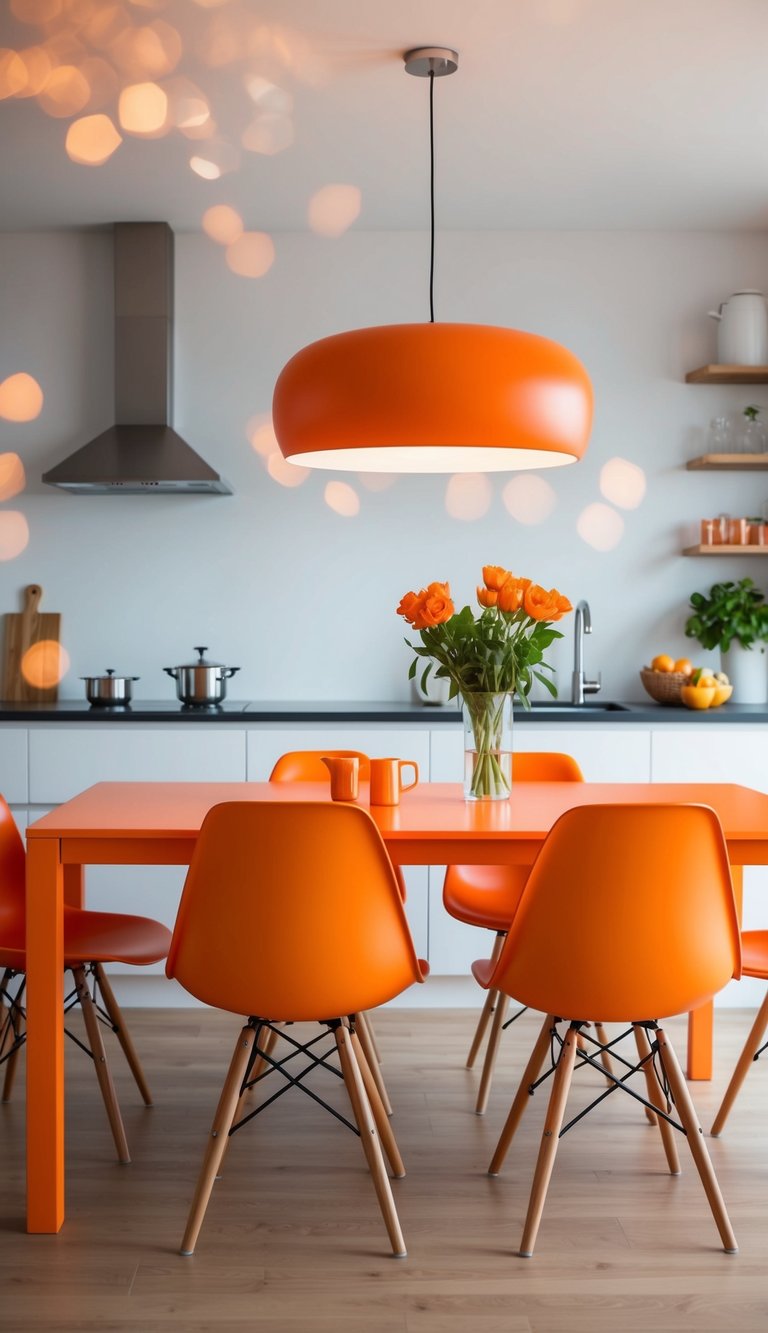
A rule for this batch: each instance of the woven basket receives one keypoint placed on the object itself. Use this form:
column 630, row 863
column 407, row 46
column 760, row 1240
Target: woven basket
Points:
column 664, row 686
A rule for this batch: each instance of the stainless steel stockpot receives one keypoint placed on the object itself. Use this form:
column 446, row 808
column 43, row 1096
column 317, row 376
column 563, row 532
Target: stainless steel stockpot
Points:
column 201, row 683
column 109, row 690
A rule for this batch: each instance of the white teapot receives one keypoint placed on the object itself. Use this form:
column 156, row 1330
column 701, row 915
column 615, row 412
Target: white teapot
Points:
column 742, row 334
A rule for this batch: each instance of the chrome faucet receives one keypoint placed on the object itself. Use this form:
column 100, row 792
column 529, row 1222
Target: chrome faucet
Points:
column 580, row 686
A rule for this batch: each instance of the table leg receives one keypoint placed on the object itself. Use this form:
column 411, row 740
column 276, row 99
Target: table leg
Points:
column 45, row 1036
column 701, row 1021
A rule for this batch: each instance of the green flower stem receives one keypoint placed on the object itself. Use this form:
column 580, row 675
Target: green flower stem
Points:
column 486, row 712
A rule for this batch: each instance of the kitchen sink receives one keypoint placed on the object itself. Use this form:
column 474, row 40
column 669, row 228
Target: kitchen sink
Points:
column 555, row 706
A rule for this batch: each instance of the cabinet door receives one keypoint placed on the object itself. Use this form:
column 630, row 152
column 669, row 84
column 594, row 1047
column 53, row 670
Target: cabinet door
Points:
column 13, row 764
column 607, row 753
column 722, row 754
column 266, row 744
column 65, row 760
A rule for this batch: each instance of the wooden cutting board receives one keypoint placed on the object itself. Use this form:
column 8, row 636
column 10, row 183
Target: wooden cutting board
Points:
column 23, row 630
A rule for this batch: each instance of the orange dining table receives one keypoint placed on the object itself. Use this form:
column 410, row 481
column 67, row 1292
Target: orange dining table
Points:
column 157, row 823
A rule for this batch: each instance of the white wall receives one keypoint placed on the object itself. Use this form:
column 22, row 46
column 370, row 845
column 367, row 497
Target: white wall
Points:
column 271, row 578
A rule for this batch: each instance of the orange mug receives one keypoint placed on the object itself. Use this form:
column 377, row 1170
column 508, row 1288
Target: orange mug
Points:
column 345, row 776
column 386, row 782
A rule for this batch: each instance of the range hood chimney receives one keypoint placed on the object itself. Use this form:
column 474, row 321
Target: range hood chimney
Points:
column 141, row 454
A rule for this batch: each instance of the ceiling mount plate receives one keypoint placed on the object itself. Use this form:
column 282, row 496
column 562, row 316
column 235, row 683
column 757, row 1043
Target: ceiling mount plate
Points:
column 426, row 60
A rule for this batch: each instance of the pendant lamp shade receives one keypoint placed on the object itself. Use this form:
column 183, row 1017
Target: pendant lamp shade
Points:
column 433, row 398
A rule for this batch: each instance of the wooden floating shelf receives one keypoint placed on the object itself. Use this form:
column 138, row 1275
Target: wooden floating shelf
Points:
column 728, row 463
column 728, row 375
column 725, row 550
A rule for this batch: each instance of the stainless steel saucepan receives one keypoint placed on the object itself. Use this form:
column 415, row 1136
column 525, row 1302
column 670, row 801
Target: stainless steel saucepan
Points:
column 109, row 690
column 202, row 683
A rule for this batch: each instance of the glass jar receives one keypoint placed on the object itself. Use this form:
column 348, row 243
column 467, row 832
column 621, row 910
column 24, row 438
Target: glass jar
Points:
column 487, row 746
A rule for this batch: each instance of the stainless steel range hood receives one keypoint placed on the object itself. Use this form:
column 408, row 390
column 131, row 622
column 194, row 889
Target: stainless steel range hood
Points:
column 142, row 453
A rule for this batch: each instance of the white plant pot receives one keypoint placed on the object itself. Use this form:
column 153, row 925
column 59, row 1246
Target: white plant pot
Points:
column 437, row 691
column 747, row 670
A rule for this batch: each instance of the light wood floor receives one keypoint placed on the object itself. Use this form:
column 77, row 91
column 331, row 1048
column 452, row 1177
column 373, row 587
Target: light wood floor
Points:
column 293, row 1240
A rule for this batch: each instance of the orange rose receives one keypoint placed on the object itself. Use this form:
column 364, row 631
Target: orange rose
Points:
column 494, row 576
column 539, row 604
column 511, row 594
column 486, row 597
column 434, row 608
column 439, row 589
column 408, row 605
column 563, row 605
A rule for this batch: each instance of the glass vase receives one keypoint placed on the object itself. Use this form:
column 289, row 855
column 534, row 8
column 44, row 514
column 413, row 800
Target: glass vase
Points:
column 487, row 746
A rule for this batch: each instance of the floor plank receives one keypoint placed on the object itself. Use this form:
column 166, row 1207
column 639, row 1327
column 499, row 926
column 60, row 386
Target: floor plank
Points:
column 293, row 1238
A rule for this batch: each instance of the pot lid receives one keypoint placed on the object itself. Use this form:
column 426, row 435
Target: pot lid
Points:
column 109, row 674
column 202, row 661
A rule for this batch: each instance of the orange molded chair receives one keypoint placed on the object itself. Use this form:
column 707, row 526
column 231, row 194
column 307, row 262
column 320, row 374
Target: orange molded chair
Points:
column 754, row 963
column 291, row 913
column 653, row 884
column 308, row 766
column 90, row 940
column 488, row 896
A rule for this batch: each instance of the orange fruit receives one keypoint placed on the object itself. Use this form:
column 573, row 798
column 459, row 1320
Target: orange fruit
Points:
column 685, row 665
column 693, row 696
column 703, row 676
column 722, row 694
column 663, row 663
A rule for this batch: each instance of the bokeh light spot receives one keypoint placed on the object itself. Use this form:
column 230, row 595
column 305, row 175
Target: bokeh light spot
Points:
column 251, row 255
column 45, row 664
column 38, row 12
column 92, row 140
column 267, row 96
column 37, row 64
column 342, row 498
column 143, row 108
column 66, row 91
column 12, row 478
column 468, row 496
column 528, row 498
column 286, row 474
column 333, row 209
column 13, row 73
column 14, row 534
column 261, row 436
column 215, row 160
column 223, row 224
column 623, row 483
column 600, row 527
column 21, row 398
column 270, row 133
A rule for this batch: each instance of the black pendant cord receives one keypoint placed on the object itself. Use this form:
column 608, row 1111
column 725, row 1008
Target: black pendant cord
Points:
column 431, row 196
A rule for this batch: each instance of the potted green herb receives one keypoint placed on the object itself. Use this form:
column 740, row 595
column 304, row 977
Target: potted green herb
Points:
column 734, row 618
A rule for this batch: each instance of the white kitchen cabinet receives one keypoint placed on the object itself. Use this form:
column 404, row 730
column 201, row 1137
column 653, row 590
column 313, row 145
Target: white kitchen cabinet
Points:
column 722, row 754
column 63, row 760
column 604, row 754
column 266, row 744
column 14, row 781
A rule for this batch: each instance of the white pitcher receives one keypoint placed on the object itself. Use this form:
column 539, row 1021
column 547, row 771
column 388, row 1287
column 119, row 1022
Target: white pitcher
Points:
column 742, row 334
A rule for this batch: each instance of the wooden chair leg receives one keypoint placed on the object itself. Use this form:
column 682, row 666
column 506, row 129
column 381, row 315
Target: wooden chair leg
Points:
column 369, row 1139
column 549, row 1142
column 12, row 1036
column 522, row 1096
column 655, row 1094
column 492, row 1051
column 259, row 1065
column 371, row 1035
column 365, row 1037
column 121, row 1032
column 219, row 1138
column 751, row 1046
column 488, row 1009
column 100, row 1063
column 380, row 1114
column 693, row 1133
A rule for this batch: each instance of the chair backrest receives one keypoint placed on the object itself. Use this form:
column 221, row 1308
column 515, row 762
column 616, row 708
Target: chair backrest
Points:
column 628, row 913
column 308, row 766
column 12, row 865
column 543, row 767
column 291, row 911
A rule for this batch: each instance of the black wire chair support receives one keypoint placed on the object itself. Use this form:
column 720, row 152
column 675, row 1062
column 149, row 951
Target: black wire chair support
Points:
column 315, row 1061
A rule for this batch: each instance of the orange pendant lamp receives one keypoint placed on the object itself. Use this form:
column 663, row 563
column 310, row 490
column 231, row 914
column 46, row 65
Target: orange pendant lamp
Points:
column 433, row 397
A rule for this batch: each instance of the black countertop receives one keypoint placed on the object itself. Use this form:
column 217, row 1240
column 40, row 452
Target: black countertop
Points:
column 562, row 713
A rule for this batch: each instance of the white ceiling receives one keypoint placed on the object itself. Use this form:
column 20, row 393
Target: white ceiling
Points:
column 563, row 114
